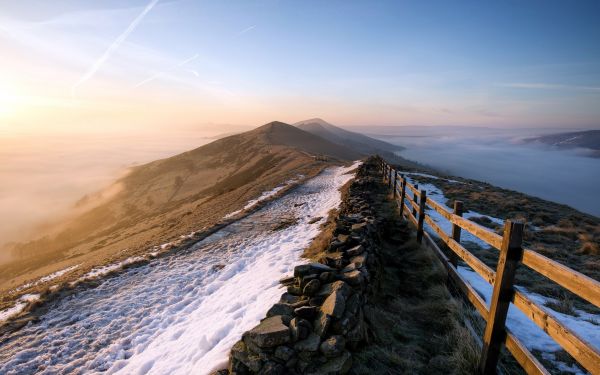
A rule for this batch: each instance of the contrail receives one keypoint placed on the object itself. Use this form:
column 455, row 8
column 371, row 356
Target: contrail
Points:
column 153, row 77
column 246, row 30
column 94, row 68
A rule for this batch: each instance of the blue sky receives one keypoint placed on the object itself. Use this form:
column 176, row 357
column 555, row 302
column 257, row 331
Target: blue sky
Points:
column 504, row 63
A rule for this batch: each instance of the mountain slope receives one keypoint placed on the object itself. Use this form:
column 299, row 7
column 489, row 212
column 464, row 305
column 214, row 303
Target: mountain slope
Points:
column 589, row 139
column 164, row 199
column 356, row 141
column 359, row 142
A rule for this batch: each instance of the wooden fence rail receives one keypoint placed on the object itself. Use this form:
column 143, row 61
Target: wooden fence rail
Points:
column 511, row 254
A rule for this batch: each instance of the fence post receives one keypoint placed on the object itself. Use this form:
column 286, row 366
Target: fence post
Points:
column 458, row 211
column 414, row 210
column 422, row 200
column 495, row 332
column 403, row 194
column 395, row 184
column 390, row 178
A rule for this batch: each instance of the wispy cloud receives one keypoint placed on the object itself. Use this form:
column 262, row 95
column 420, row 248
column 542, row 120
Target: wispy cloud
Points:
column 115, row 45
column 160, row 74
column 547, row 86
column 246, row 30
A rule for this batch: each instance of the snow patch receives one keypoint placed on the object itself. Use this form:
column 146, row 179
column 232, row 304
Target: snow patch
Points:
column 264, row 196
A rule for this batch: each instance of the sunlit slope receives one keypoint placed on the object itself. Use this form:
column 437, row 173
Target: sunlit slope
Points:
column 161, row 200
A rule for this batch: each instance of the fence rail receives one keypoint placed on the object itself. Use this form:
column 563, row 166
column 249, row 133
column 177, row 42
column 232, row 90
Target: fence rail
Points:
column 511, row 254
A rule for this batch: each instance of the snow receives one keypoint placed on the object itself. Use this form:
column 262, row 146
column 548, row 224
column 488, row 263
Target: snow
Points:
column 263, row 197
column 182, row 312
column 525, row 329
column 21, row 304
column 528, row 332
column 47, row 278
column 435, row 194
column 428, row 176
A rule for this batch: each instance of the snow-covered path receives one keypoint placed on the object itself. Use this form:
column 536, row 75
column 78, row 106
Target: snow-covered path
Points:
column 179, row 314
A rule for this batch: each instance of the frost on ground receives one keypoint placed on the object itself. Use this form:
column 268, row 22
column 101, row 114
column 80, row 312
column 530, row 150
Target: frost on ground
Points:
column 45, row 279
column 263, row 197
column 533, row 337
column 181, row 313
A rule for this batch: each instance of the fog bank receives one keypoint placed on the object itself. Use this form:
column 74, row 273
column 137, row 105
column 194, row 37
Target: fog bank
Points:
column 565, row 176
column 44, row 176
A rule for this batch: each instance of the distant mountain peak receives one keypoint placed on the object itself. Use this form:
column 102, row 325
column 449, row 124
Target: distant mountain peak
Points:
column 315, row 120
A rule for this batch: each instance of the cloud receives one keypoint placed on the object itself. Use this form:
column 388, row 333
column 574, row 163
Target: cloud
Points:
column 547, row 86
column 115, row 45
column 246, row 30
column 160, row 74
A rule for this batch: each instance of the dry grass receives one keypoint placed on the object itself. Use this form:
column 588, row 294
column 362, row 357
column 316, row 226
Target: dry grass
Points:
column 416, row 326
column 318, row 245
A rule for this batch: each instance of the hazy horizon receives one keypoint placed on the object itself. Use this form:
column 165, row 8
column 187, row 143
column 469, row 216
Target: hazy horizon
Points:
column 150, row 65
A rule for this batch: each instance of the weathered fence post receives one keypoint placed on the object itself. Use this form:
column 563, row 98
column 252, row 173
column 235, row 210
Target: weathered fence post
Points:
column 495, row 332
column 403, row 194
column 390, row 177
column 395, row 184
column 414, row 210
column 458, row 211
column 422, row 201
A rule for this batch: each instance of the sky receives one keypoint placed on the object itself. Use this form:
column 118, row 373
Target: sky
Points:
column 87, row 66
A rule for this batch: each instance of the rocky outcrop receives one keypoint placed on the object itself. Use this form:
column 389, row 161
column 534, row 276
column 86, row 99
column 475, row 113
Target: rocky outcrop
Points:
column 318, row 321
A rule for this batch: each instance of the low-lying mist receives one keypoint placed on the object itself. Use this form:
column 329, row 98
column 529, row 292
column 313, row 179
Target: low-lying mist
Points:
column 502, row 159
column 45, row 178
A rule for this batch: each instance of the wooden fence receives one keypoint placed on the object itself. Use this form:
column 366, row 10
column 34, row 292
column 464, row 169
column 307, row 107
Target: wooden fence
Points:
column 502, row 279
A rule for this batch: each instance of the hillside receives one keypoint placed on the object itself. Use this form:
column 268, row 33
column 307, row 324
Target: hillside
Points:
column 589, row 139
column 359, row 142
column 167, row 198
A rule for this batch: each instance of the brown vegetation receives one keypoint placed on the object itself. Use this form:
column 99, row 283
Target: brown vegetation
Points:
column 164, row 199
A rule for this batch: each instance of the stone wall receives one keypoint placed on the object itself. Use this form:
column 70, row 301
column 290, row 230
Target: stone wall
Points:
column 318, row 322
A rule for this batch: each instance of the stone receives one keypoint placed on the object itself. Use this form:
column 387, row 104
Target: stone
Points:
column 352, row 304
column 326, row 277
column 316, row 301
column 272, row 368
column 294, row 290
column 335, row 260
column 334, row 245
column 343, row 238
column 280, row 309
column 312, row 287
column 306, row 279
column 269, row 333
column 300, row 329
column 356, row 250
column 333, row 346
column 344, row 324
column 359, row 228
column 289, row 298
column 340, row 285
column 321, row 323
column 337, row 365
column 300, row 303
column 350, row 267
column 359, row 260
column 287, row 280
column 284, row 353
column 309, row 344
column 354, row 278
column 334, row 305
column 240, row 352
column 306, row 312
column 305, row 269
